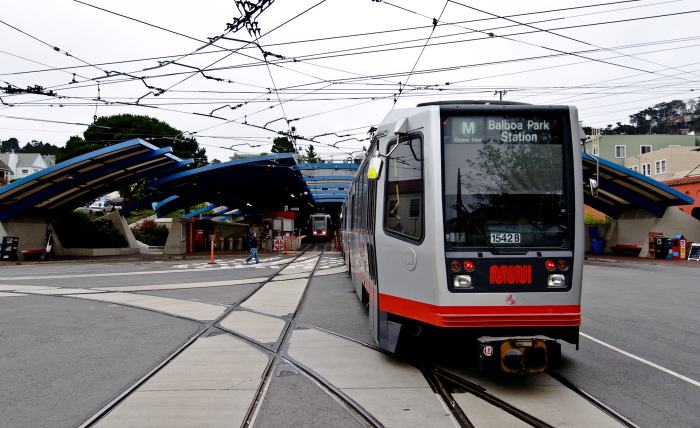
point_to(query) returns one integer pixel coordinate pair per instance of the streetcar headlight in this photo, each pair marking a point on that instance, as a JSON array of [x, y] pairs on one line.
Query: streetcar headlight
[[556, 280], [462, 281]]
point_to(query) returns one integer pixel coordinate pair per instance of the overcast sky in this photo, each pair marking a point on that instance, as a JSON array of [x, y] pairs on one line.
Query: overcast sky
[[340, 85]]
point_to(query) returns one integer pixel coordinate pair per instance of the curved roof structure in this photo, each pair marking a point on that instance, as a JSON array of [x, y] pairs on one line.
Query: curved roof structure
[[74, 182], [262, 183], [328, 183], [620, 188]]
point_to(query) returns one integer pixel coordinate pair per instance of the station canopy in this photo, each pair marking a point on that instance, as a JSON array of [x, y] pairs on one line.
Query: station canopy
[[74, 182], [328, 183], [620, 188], [254, 184]]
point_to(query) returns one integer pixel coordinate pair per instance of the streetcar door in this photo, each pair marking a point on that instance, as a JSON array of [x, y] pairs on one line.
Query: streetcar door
[[369, 222]]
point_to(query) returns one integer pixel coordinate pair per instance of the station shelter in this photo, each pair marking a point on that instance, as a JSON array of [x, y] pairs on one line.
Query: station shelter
[[223, 202], [637, 204]]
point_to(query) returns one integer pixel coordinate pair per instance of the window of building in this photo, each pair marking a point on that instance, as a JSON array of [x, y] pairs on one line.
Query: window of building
[[635, 168], [644, 149], [620, 151], [595, 150], [646, 168], [660, 166], [403, 213], [25, 171]]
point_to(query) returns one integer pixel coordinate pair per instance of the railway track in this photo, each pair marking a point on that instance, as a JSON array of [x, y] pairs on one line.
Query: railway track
[[275, 354], [443, 381]]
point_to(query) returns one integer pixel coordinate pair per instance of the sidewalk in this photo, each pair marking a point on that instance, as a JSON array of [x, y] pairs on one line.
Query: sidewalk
[[618, 258]]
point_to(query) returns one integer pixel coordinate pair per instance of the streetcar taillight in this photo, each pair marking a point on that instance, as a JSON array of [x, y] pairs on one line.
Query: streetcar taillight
[[456, 266], [563, 265], [469, 266], [550, 265]]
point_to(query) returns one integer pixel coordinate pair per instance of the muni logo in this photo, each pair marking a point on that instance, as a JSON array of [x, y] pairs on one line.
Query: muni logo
[[510, 274]]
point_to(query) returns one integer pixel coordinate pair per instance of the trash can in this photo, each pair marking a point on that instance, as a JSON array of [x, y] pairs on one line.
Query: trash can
[[597, 245]]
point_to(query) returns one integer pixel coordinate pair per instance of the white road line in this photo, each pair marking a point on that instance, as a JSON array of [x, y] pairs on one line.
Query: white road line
[[183, 308], [3, 294], [144, 272], [642, 360], [183, 285]]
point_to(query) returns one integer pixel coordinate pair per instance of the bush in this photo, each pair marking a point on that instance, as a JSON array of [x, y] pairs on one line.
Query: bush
[[79, 229], [592, 219], [138, 215], [151, 233]]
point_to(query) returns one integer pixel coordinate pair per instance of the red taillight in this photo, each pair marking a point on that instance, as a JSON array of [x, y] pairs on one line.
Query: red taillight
[[550, 265], [563, 265], [469, 266], [456, 265]]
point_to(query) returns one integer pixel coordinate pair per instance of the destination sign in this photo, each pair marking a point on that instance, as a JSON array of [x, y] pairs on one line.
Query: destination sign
[[511, 130]]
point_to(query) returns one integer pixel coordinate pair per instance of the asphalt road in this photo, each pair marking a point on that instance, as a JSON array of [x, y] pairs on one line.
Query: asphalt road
[[62, 358], [652, 313]]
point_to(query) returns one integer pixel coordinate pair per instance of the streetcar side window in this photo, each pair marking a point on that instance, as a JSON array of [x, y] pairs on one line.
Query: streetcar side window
[[403, 209]]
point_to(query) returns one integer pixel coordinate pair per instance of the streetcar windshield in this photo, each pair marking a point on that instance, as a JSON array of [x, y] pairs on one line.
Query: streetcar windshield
[[319, 224], [504, 181]]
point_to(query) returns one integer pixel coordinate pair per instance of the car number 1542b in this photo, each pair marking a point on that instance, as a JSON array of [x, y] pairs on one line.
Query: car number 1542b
[[505, 238]]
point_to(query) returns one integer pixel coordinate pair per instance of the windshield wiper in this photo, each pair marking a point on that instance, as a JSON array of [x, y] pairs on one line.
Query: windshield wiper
[[462, 220]]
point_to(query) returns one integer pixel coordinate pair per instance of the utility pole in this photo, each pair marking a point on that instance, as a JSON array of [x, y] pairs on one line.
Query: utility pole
[[500, 93]]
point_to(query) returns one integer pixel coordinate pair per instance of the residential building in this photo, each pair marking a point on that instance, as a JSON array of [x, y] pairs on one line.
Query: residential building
[[690, 186], [616, 148], [24, 164], [666, 163], [5, 173]]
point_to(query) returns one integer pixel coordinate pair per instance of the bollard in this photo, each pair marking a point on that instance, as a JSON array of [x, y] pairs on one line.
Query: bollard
[[211, 257]]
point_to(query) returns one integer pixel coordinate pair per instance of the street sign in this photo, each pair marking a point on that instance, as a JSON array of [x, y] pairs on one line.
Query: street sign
[[277, 245]]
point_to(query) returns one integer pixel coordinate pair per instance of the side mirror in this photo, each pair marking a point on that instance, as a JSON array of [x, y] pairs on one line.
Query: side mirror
[[375, 168], [593, 184]]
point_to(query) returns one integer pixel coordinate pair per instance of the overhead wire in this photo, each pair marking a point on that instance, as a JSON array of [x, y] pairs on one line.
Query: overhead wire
[[280, 90], [539, 45], [577, 40], [420, 54], [444, 69], [52, 47], [373, 33]]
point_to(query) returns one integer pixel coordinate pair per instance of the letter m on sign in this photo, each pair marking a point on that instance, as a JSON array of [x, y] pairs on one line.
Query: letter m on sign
[[468, 127]]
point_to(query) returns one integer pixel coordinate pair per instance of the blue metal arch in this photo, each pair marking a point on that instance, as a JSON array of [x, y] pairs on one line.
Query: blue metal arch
[[223, 165], [85, 183]]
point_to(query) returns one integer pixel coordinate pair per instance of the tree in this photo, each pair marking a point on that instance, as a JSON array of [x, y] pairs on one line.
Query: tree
[[9, 145], [311, 156], [282, 145], [35, 146], [108, 130], [75, 146], [672, 117]]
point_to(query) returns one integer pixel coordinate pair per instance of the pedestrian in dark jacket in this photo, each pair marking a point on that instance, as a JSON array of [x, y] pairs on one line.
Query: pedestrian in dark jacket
[[253, 249]]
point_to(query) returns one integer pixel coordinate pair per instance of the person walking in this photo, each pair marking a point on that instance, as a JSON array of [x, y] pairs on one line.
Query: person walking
[[253, 249]]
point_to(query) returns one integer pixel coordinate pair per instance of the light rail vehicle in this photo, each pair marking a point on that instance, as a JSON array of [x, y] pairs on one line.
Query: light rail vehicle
[[468, 216], [321, 227]]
